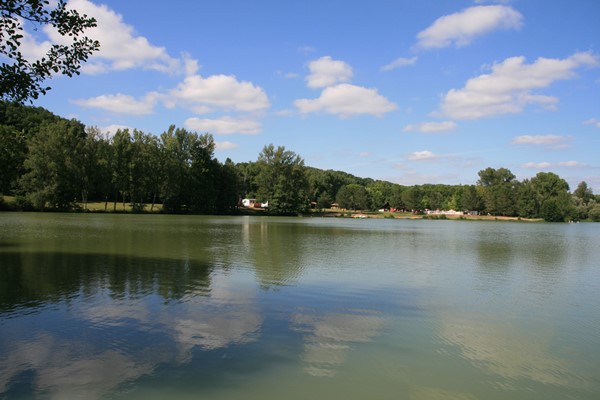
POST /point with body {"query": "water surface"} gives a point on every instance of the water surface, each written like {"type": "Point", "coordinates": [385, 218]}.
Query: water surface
{"type": "Point", "coordinates": [180, 307]}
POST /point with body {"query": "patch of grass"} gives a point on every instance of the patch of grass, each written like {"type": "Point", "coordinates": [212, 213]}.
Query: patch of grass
{"type": "Point", "coordinates": [99, 206]}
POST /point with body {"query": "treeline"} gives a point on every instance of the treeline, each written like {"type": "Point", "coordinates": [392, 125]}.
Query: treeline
{"type": "Point", "coordinates": [48, 162]}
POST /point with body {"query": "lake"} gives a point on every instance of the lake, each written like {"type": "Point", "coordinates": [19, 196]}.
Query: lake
{"type": "Point", "coordinates": [194, 307]}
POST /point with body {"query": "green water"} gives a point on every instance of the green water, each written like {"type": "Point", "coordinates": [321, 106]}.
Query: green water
{"type": "Point", "coordinates": [178, 307]}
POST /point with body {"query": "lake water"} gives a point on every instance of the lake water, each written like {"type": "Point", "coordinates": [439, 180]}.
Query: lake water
{"type": "Point", "coordinates": [181, 307]}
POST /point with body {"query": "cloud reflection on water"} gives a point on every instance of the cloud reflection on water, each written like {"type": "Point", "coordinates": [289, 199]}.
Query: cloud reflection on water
{"type": "Point", "coordinates": [509, 353]}
{"type": "Point", "coordinates": [329, 337]}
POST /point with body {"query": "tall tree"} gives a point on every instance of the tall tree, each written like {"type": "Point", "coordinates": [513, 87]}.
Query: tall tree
{"type": "Point", "coordinates": [55, 173]}
{"type": "Point", "coordinates": [499, 190]}
{"type": "Point", "coordinates": [584, 192]}
{"type": "Point", "coordinates": [228, 198]}
{"type": "Point", "coordinates": [282, 180]}
{"type": "Point", "coordinates": [22, 79]}
{"type": "Point", "coordinates": [121, 158]}
{"type": "Point", "coordinates": [142, 169]}
{"type": "Point", "coordinates": [552, 189]}
{"type": "Point", "coordinates": [13, 150]}
{"type": "Point", "coordinates": [204, 174]}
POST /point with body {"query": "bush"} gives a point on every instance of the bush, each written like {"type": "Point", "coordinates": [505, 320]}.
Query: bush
{"type": "Point", "coordinates": [22, 204]}
{"type": "Point", "coordinates": [551, 212]}
{"type": "Point", "coordinates": [594, 213]}
{"type": "Point", "coordinates": [3, 205]}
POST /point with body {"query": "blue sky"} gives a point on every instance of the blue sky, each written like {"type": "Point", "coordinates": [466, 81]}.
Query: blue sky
{"type": "Point", "coordinates": [411, 92]}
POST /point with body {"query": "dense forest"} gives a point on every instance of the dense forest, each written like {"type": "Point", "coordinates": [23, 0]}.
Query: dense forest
{"type": "Point", "coordinates": [48, 162]}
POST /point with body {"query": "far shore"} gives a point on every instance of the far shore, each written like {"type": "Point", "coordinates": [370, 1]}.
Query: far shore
{"type": "Point", "coordinates": [126, 208]}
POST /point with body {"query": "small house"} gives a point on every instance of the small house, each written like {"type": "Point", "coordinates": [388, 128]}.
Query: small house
{"type": "Point", "coordinates": [248, 202]}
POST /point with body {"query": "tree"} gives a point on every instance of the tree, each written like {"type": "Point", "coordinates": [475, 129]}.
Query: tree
{"type": "Point", "coordinates": [282, 181]}
{"type": "Point", "coordinates": [23, 79]}
{"type": "Point", "coordinates": [499, 190]}
{"type": "Point", "coordinates": [471, 200]}
{"type": "Point", "coordinates": [55, 166]}
{"type": "Point", "coordinates": [176, 160]}
{"type": "Point", "coordinates": [595, 213]}
{"type": "Point", "coordinates": [203, 175]}
{"type": "Point", "coordinates": [584, 192]}
{"type": "Point", "coordinates": [552, 189]}
{"type": "Point", "coordinates": [120, 163]}
{"type": "Point", "coordinates": [143, 169]}
{"type": "Point", "coordinates": [380, 193]}
{"type": "Point", "coordinates": [353, 197]}
{"type": "Point", "coordinates": [228, 183]}
{"type": "Point", "coordinates": [527, 200]}
{"type": "Point", "coordinates": [411, 197]}
{"type": "Point", "coordinates": [13, 150]}
{"type": "Point", "coordinates": [324, 201]}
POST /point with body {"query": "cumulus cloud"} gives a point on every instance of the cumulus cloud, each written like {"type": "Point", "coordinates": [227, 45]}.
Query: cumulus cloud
{"type": "Point", "coordinates": [431, 127]}
{"type": "Point", "coordinates": [347, 100]}
{"type": "Point", "coordinates": [424, 155]}
{"type": "Point", "coordinates": [327, 72]}
{"type": "Point", "coordinates": [222, 92]}
{"type": "Point", "coordinates": [508, 88]}
{"type": "Point", "coordinates": [120, 47]}
{"type": "Point", "coordinates": [202, 95]}
{"type": "Point", "coordinates": [224, 125]}
{"type": "Point", "coordinates": [121, 103]}
{"type": "Point", "coordinates": [461, 28]}
{"type": "Point", "coordinates": [399, 63]}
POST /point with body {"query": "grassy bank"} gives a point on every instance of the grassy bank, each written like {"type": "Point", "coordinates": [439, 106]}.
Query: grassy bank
{"type": "Point", "coordinates": [396, 215]}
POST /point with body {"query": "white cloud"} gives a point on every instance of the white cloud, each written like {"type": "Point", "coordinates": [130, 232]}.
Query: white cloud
{"type": "Point", "coordinates": [543, 140]}
{"type": "Point", "coordinates": [463, 27]}
{"type": "Point", "coordinates": [121, 103]}
{"type": "Point", "coordinates": [424, 155]}
{"type": "Point", "coordinates": [30, 48]}
{"type": "Point", "coordinates": [347, 100]}
{"type": "Point", "coordinates": [110, 130]}
{"type": "Point", "coordinates": [327, 72]}
{"type": "Point", "coordinates": [547, 165]}
{"type": "Point", "coordinates": [202, 95]}
{"type": "Point", "coordinates": [592, 121]}
{"type": "Point", "coordinates": [222, 92]}
{"type": "Point", "coordinates": [508, 88]}
{"type": "Point", "coordinates": [226, 145]}
{"type": "Point", "coordinates": [120, 47]}
{"type": "Point", "coordinates": [224, 125]}
{"type": "Point", "coordinates": [399, 63]}
{"type": "Point", "coordinates": [191, 65]}
{"type": "Point", "coordinates": [431, 127]}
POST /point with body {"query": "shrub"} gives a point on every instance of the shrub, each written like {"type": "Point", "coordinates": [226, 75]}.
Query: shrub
{"type": "Point", "coordinates": [594, 213]}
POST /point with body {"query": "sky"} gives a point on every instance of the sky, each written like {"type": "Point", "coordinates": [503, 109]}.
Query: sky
{"type": "Point", "coordinates": [411, 92]}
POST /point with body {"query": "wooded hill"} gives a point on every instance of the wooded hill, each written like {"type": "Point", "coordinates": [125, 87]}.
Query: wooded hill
{"type": "Point", "coordinates": [48, 162]}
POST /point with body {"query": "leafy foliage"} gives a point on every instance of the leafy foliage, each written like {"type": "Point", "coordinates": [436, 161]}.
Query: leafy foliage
{"type": "Point", "coordinates": [23, 79]}
{"type": "Point", "coordinates": [282, 181]}
{"type": "Point", "coordinates": [353, 197]}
